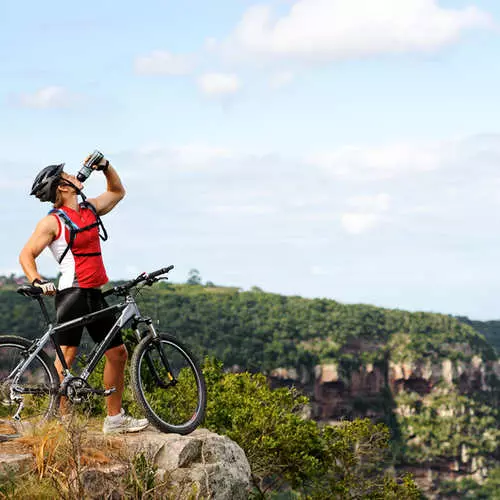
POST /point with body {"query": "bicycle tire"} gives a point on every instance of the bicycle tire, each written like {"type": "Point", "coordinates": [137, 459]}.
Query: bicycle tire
{"type": "Point", "coordinates": [177, 407]}
{"type": "Point", "coordinates": [43, 406]}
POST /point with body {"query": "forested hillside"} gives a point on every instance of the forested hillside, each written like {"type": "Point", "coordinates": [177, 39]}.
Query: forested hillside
{"type": "Point", "coordinates": [433, 379]}
{"type": "Point", "coordinates": [260, 331]}
{"type": "Point", "coordinates": [490, 330]}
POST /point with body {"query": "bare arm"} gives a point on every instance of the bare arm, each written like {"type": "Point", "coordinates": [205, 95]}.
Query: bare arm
{"type": "Point", "coordinates": [45, 232]}
{"type": "Point", "coordinates": [113, 194]}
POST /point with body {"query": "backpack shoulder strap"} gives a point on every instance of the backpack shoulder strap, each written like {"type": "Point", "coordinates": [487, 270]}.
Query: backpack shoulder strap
{"type": "Point", "coordinates": [72, 227]}
{"type": "Point", "coordinates": [102, 230]}
{"type": "Point", "coordinates": [65, 217]}
{"type": "Point", "coordinates": [87, 204]}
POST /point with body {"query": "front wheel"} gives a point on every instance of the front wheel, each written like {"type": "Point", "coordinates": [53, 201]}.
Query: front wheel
{"type": "Point", "coordinates": [168, 384]}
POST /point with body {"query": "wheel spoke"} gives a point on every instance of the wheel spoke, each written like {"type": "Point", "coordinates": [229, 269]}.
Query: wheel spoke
{"type": "Point", "coordinates": [36, 388]}
{"type": "Point", "coordinates": [169, 385]}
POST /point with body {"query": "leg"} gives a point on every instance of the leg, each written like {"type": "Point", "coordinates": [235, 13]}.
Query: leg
{"type": "Point", "coordinates": [69, 352]}
{"type": "Point", "coordinates": [114, 371]}
{"type": "Point", "coordinates": [70, 304]}
{"type": "Point", "coordinates": [114, 375]}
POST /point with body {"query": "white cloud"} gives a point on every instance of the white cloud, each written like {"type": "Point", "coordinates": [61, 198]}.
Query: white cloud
{"type": "Point", "coordinates": [241, 209]}
{"type": "Point", "coordinates": [281, 79]}
{"type": "Point", "coordinates": [361, 163]}
{"type": "Point", "coordinates": [52, 97]}
{"type": "Point", "coordinates": [196, 154]}
{"type": "Point", "coordinates": [185, 157]}
{"type": "Point", "coordinates": [219, 84]}
{"type": "Point", "coordinates": [357, 223]}
{"type": "Point", "coordinates": [368, 215]}
{"type": "Point", "coordinates": [327, 30]}
{"type": "Point", "coordinates": [379, 202]}
{"type": "Point", "coordinates": [318, 271]}
{"type": "Point", "coordinates": [304, 202]}
{"type": "Point", "coordinates": [162, 62]}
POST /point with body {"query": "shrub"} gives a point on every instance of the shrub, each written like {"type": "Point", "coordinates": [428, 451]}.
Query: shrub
{"type": "Point", "coordinates": [288, 451]}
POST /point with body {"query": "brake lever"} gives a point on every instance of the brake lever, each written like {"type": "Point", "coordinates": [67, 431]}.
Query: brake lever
{"type": "Point", "coordinates": [152, 281]}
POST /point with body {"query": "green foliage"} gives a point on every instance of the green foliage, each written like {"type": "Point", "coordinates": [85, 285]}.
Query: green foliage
{"type": "Point", "coordinates": [141, 478]}
{"type": "Point", "coordinates": [490, 330]}
{"type": "Point", "coordinates": [8, 482]}
{"type": "Point", "coordinates": [28, 485]}
{"type": "Point", "coordinates": [356, 455]}
{"type": "Point", "coordinates": [260, 331]}
{"type": "Point", "coordinates": [279, 444]}
{"type": "Point", "coordinates": [468, 489]}
{"type": "Point", "coordinates": [447, 425]}
{"type": "Point", "coordinates": [285, 449]}
{"type": "Point", "coordinates": [491, 488]}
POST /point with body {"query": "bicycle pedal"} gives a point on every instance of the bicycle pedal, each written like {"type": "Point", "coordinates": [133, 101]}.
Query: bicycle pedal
{"type": "Point", "coordinates": [109, 391]}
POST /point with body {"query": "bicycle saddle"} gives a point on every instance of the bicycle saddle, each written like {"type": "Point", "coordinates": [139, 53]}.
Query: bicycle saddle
{"type": "Point", "coordinates": [29, 290]}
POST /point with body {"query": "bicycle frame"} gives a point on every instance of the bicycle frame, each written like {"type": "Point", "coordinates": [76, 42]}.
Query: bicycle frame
{"type": "Point", "coordinates": [129, 312]}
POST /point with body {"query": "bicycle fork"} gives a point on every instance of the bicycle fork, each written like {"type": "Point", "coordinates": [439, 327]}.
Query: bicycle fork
{"type": "Point", "coordinates": [157, 344]}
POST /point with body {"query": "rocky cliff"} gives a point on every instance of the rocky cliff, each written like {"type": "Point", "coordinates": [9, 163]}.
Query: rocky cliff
{"type": "Point", "coordinates": [444, 412]}
{"type": "Point", "coordinates": [335, 395]}
{"type": "Point", "coordinates": [200, 465]}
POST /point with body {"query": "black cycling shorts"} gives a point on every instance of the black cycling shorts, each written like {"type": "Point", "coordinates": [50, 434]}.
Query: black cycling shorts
{"type": "Point", "coordinates": [72, 303]}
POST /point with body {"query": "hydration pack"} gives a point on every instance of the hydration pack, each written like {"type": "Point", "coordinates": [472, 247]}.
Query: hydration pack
{"type": "Point", "coordinates": [74, 229]}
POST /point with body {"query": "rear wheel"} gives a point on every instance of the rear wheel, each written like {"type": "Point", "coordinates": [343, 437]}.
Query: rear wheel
{"type": "Point", "coordinates": [39, 384]}
{"type": "Point", "coordinates": [168, 384]}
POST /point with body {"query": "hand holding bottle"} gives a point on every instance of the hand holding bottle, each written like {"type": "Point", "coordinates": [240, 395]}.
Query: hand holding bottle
{"type": "Point", "coordinates": [94, 161]}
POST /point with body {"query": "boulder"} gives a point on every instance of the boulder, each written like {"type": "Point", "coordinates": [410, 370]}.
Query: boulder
{"type": "Point", "coordinates": [200, 465]}
{"type": "Point", "coordinates": [15, 463]}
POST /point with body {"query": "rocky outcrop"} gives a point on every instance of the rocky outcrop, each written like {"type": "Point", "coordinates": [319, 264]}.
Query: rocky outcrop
{"type": "Point", "coordinates": [200, 465]}
{"type": "Point", "coordinates": [197, 466]}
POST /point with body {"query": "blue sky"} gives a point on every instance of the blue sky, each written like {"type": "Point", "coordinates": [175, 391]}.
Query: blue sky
{"type": "Point", "coordinates": [322, 148]}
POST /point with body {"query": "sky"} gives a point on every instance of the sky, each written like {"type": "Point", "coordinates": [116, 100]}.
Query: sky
{"type": "Point", "coordinates": [342, 149]}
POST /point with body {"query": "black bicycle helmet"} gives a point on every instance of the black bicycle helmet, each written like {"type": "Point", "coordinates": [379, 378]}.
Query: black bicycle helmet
{"type": "Point", "coordinates": [46, 182]}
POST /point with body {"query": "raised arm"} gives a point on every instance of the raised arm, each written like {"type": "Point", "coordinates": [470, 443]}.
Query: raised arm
{"type": "Point", "coordinates": [113, 194]}
{"type": "Point", "coordinates": [45, 232]}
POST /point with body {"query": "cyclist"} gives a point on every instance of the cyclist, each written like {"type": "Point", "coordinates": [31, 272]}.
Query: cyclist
{"type": "Point", "coordinates": [71, 232]}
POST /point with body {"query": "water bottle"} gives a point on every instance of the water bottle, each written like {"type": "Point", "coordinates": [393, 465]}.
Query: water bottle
{"type": "Point", "coordinates": [87, 169]}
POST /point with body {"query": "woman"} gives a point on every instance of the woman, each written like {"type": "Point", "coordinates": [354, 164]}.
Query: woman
{"type": "Point", "coordinates": [71, 232]}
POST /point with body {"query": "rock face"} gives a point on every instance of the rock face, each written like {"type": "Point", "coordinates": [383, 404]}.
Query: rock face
{"type": "Point", "coordinates": [198, 466]}
{"type": "Point", "coordinates": [335, 395]}
{"type": "Point", "coordinates": [373, 390]}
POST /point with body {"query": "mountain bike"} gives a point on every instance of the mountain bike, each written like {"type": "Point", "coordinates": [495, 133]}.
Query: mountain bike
{"type": "Point", "coordinates": [167, 382]}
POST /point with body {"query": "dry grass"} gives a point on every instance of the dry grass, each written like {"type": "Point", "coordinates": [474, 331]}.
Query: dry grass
{"type": "Point", "coordinates": [65, 451]}
{"type": "Point", "coordinates": [64, 446]}
{"type": "Point", "coordinates": [7, 428]}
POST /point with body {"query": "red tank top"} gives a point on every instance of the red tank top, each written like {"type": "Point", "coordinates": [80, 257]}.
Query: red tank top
{"type": "Point", "coordinates": [79, 271]}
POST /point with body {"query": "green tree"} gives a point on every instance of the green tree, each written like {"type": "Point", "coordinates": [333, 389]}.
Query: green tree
{"type": "Point", "coordinates": [194, 277]}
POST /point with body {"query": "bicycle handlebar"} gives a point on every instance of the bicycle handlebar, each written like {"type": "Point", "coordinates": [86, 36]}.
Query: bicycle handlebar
{"type": "Point", "coordinates": [164, 270]}
{"type": "Point", "coordinates": [35, 291]}
{"type": "Point", "coordinates": [141, 278]}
